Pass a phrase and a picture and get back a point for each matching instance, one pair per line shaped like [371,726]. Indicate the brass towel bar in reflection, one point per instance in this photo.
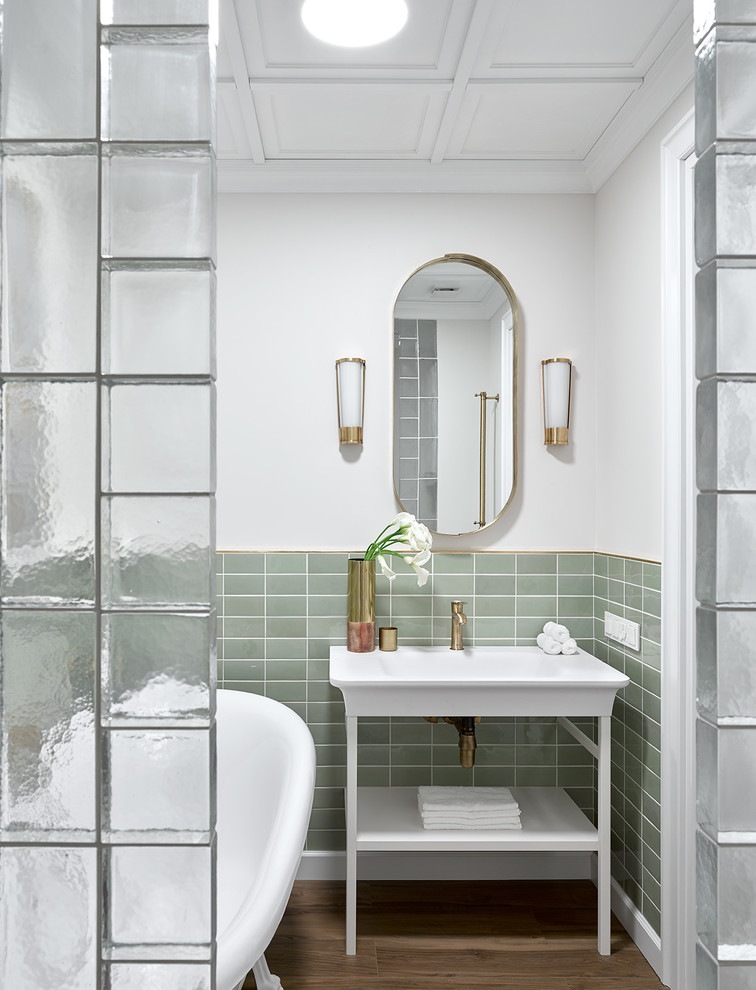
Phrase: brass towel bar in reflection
[482,507]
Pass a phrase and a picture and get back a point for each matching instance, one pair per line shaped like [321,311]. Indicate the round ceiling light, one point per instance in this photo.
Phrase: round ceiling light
[354,23]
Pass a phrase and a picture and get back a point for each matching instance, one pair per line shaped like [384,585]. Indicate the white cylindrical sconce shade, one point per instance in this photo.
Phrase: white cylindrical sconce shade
[556,381]
[350,398]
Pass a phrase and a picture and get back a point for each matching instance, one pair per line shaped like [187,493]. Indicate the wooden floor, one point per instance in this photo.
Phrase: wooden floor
[412,935]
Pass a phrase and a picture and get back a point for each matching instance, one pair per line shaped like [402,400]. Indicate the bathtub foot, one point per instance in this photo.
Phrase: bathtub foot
[264,979]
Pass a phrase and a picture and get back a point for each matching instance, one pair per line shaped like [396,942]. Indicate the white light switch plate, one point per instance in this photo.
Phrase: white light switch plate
[622,630]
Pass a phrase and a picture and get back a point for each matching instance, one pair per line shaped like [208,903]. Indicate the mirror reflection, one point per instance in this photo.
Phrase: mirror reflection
[455,394]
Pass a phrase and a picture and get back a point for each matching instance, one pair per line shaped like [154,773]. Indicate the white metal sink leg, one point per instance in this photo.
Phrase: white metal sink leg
[604,836]
[351,836]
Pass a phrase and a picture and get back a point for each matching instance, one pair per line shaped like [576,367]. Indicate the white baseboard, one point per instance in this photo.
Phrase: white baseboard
[636,926]
[448,866]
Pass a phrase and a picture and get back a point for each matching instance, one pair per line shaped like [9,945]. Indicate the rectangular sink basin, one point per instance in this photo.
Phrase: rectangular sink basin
[479,680]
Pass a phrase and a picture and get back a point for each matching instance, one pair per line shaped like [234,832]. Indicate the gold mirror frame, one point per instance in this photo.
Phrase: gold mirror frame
[484,266]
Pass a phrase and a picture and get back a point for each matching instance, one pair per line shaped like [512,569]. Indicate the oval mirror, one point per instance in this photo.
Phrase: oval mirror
[455,394]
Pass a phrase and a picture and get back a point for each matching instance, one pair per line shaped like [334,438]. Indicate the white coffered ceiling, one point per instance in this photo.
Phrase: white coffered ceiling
[472,96]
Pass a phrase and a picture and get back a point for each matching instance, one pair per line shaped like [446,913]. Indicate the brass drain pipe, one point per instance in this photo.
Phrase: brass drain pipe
[467,742]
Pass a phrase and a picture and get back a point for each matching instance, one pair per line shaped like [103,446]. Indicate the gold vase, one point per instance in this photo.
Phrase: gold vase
[361,606]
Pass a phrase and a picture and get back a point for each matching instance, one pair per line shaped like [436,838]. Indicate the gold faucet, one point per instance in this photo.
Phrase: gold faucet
[458,619]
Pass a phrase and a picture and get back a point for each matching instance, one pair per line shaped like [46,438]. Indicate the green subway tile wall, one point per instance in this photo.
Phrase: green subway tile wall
[279,613]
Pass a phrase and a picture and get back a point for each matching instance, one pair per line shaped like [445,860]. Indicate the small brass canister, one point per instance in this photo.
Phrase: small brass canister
[387,638]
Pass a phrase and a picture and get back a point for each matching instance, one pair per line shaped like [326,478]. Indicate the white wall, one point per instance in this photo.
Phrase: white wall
[306,279]
[628,349]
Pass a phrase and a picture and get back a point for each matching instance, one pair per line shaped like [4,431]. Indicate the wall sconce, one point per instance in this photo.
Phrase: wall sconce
[556,382]
[350,398]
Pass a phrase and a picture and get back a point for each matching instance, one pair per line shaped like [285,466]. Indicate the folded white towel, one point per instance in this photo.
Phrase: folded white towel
[456,821]
[488,827]
[513,812]
[569,647]
[465,799]
[548,645]
[560,633]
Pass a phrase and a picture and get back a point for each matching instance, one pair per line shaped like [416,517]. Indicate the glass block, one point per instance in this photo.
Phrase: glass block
[707,331]
[158,552]
[160,902]
[157,976]
[735,198]
[737,779]
[726,876]
[160,438]
[49,70]
[736,66]
[726,672]
[157,87]
[705,223]
[707,775]
[726,565]
[157,782]
[159,322]
[157,668]
[159,206]
[726,436]
[47,521]
[48,917]
[706,93]
[736,320]
[48,737]
[50,254]
[158,11]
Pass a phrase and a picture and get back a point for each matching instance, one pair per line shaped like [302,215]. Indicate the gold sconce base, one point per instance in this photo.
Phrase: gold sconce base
[350,434]
[555,435]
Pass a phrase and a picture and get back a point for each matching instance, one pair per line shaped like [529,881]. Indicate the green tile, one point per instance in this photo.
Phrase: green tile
[250,687]
[651,836]
[411,605]
[373,732]
[286,584]
[240,605]
[327,563]
[493,776]
[652,706]
[652,681]
[286,649]
[243,649]
[317,670]
[574,776]
[495,584]
[616,591]
[286,670]
[652,576]
[581,629]
[575,563]
[329,605]
[574,605]
[244,584]
[536,563]
[243,627]
[494,756]
[323,841]
[574,756]
[327,818]
[405,583]
[495,605]
[330,776]
[652,914]
[495,731]
[527,629]
[327,628]
[532,732]
[600,564]
[452,563]
[413,628]
[536,584]
[285,563]
[285,605]
[410,776]
[286,691]
[243,670]
[575,584]
[327,584]
[494,627]
[542,605]
[633,571]
[495,563]
[373,776]
[243,563]
[536,756]
[287,627]
[615,568]
[322,691]
[330,756]
[370,754]
[325,711]
[453,586]
[651,653]
[634,598]
[652,628]
[320,649]
[600,586]
[410,732]
[652,602]
[329,735]
[415,756]
[446,755]
[328,797]
[535,776]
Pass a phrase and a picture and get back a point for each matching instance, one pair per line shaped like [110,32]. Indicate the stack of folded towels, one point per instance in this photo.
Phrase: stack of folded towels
[556,639]
[468,807]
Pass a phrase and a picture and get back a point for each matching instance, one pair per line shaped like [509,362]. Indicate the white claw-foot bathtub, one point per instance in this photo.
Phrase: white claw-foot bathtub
[266,777]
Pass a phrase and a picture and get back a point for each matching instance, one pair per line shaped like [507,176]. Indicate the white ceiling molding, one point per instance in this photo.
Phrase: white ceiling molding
[487,96]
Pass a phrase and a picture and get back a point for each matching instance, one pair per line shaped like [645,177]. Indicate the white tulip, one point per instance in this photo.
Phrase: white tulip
[387,572]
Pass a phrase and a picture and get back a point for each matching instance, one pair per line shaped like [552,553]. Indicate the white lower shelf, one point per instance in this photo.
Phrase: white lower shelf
[388,818]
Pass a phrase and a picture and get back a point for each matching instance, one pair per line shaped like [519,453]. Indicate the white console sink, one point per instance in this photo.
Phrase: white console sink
[479,680]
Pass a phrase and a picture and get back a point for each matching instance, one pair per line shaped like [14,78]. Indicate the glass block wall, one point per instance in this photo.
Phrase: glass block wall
[107,626]
[281,612]
[725,200]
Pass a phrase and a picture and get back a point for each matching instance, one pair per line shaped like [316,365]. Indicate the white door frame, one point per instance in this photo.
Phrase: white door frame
[678,564]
